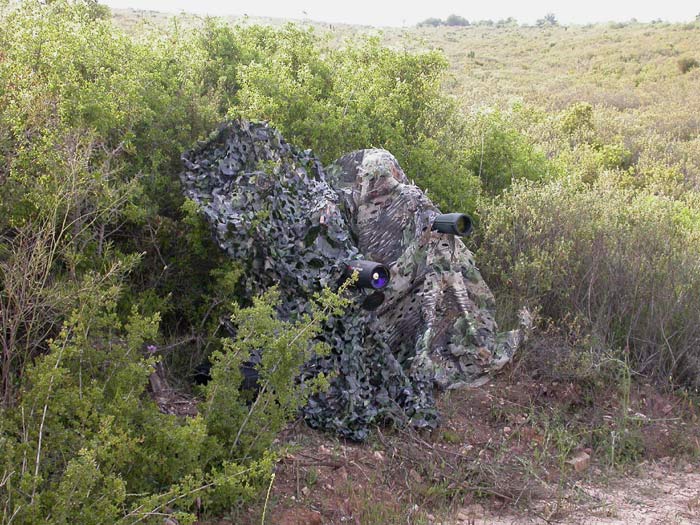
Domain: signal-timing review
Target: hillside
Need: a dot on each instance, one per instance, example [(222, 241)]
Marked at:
[(632, 74)]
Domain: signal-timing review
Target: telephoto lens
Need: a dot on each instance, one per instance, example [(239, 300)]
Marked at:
[(454, 223), (370, 274)]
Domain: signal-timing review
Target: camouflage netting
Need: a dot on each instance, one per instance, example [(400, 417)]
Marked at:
[(273, 208), (438, 317)]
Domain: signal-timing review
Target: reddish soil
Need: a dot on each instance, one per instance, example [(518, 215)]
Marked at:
[(503, 455)]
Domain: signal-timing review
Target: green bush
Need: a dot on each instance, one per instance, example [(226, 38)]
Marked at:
[(625, 260), (549, 19), (578, 120), (87, 444), (93, 125), (499, 154), (334, 101), (452, 20), (93, 122)]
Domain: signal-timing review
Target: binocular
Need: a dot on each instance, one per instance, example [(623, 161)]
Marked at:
[(453, 223), (370, 274)]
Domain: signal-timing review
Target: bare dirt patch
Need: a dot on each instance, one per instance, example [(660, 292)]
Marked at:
[(665, 492), (508, 452)]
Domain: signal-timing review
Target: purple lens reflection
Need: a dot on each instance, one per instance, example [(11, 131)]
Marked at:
[(380, 278)]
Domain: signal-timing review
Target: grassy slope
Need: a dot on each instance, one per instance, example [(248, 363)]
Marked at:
[(630, 74), (623, 67)]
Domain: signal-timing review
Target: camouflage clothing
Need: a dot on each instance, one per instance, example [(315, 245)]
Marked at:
[(273, 209), (439, 314)]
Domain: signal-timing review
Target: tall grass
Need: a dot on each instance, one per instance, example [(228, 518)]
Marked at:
[(625, 261)]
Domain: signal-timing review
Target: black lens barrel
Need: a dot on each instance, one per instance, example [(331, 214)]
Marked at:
[(453, 223), (370, 274)]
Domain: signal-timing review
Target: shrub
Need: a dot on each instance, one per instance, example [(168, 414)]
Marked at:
[(507, 22), (93, 126), (93, 230), (499, 154), (456, 20), (432, 22), (686, 64), (361, 96), (100, 450), (624, 260), (578, 119), (452, 20), (108, 116), (287, 346), (549, 20)]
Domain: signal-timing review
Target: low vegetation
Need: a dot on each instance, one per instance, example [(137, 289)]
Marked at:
[(577, 150), (452, 20)]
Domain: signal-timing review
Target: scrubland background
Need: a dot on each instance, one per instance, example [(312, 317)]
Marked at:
[(576, 149)]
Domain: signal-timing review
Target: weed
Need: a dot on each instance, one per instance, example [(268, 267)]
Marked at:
[(311, 477), (450, 436)]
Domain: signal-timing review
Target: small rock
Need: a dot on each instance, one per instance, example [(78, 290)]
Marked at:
[(300, 517), (306, 491), (656, 473), (581, 461), (415, 476)]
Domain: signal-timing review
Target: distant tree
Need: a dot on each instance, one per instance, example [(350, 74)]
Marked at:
[(456, 20), (549, 20), (507, 22), (434, 22)]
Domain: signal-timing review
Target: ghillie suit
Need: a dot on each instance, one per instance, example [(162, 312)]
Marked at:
[(273, 209), (438, 317)]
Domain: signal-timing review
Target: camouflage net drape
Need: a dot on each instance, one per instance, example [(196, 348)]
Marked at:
[(293, 224)]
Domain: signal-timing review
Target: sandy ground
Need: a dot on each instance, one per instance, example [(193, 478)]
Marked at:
[(659, 493)]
